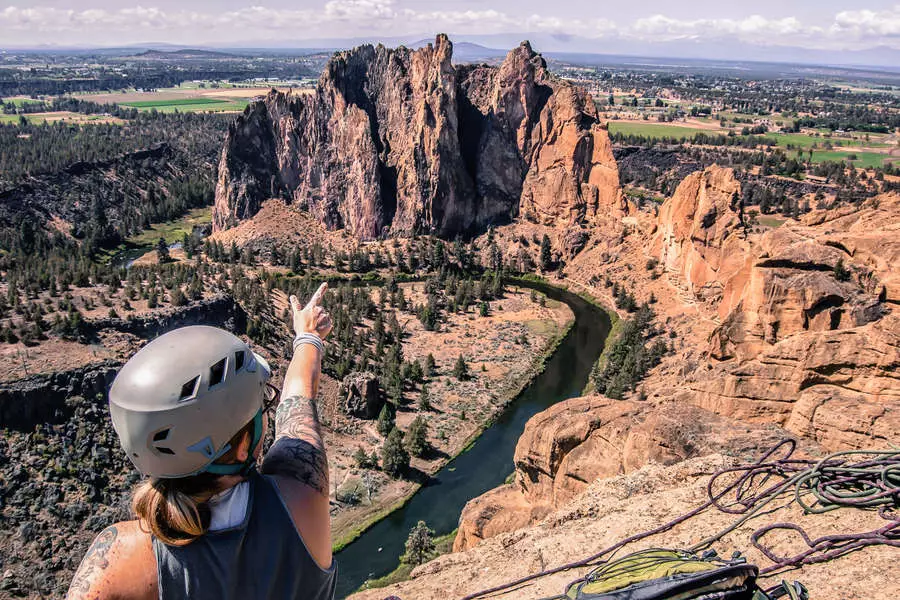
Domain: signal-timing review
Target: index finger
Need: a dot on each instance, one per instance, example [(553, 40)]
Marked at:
[(317, 297)]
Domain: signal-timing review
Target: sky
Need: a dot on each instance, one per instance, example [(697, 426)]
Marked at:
[(821, 25)]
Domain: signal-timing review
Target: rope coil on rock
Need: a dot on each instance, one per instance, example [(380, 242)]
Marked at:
[(833, 482)]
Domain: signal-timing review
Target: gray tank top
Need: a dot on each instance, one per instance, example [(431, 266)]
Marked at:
[(264, 557)]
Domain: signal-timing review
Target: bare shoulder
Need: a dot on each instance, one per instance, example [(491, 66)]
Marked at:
[(119, 564)]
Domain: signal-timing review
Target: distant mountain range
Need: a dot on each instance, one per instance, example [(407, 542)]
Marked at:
[(569, 48)]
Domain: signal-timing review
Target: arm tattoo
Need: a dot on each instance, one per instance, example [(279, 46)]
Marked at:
[(93, 564), (298, 451)]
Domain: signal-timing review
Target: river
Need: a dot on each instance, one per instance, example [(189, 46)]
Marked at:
[(489, 461)]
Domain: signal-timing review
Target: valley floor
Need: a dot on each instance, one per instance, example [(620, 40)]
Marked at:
[(500, 365)]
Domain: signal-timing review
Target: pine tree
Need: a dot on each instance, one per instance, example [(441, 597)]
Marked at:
[(546, 259), (416, 439), (361, 458), (162, 251), (419, 544), (460, 370), (429, 366), (424, 399), (386, 419), (394, 458)]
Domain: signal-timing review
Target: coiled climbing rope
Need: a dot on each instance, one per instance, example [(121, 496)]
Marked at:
[(863, 479)]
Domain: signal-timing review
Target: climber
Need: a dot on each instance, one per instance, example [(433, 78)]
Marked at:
[(190, 412)]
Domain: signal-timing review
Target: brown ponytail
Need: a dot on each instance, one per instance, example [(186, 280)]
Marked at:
[(175, 510)]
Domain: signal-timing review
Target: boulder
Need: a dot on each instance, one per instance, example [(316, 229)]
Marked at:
[(362, 395)]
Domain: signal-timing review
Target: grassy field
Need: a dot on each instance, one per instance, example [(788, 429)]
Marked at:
[(19, 101), (53, 117), (655, 130), (795, 140), (863, 159), (171, 231), (771, 222), (188, 104)]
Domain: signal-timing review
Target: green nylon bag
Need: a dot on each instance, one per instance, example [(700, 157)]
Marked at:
[(662, 574)]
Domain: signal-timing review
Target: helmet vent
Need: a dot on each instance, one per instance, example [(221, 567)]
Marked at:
[(189, 389), (239, 360), (161, 435), (217, 372), (162, 450)]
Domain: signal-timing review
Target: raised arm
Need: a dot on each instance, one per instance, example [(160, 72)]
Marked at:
[(297, 459), (299, 451)]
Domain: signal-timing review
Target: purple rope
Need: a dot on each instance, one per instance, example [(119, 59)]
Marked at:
[(821, 476)]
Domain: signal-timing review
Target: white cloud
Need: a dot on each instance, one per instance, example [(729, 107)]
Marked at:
[(348, 18), (359, 9), (884, 23), (662, 27)]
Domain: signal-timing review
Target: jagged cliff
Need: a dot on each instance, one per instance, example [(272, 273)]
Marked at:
[(402, 141), (787, 332)]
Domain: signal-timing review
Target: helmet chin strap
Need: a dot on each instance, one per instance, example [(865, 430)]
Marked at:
[(248, 465)]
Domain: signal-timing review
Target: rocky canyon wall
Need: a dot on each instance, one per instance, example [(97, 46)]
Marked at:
[(399, 141), (790, 331), (807, 336)]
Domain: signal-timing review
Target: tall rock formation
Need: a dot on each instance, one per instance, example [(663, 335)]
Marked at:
[(403, 142), (807, 335)]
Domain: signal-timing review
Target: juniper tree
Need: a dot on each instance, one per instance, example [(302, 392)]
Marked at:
[(386, 419), (416, 439), (460, 369), (162, 251), (546, 259), (424, 399), (419, 544), (394, 457)]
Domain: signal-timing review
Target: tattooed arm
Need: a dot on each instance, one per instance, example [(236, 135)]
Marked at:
[(93, 565), (299, 452), (297, 459), (119, 564)]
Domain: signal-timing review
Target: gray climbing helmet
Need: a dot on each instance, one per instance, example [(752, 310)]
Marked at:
[(176, 404)]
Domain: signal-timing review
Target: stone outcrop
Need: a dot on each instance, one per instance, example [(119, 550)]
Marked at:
[(807, 336), (402, 141), (42, 398), (569, 445), (701, 237), (611, 510), (362, 395), (791, 331)]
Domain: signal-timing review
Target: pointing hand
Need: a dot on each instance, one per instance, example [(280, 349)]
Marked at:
[(312, 318)]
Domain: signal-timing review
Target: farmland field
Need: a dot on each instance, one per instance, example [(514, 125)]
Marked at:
[(654, 130), (53, 117), (189, 97), (188, 104), (863, 159)]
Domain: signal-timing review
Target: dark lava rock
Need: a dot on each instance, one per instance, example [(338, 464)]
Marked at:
[(362, 395)]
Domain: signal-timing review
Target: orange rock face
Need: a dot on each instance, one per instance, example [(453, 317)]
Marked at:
[(570, 445), (405, 142), (701, 237), (790, 332)]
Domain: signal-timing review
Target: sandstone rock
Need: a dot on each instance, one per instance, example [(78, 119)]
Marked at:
[(362, 396), (799, 343), (701, 237), (575, 442), (404, 142)]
